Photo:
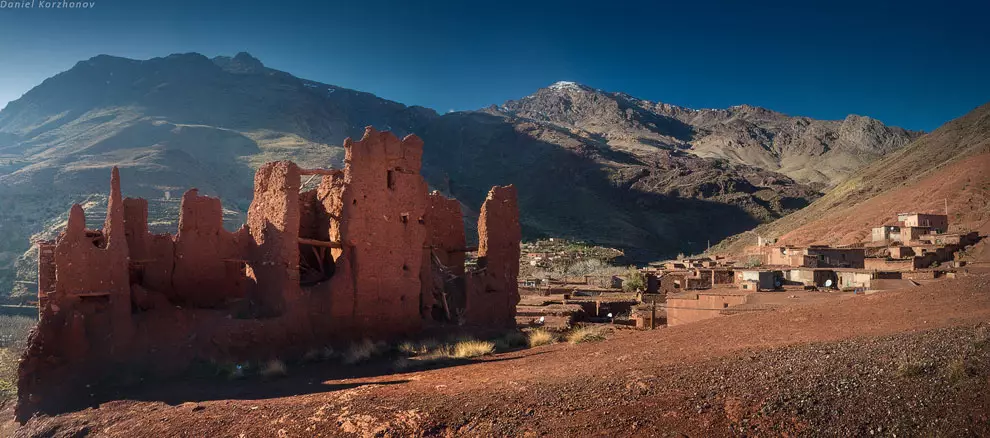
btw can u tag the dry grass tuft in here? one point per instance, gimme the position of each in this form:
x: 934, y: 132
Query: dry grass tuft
x: 363, y: 351
x: 417, y: 348
x: 540, y: 337
x: 589, y: 333
x: 511, y: 340
x: 469, y: 349
x: 911, y: 368
x: 959, y: 370
x: 318, y: 354
x: 274, y: 368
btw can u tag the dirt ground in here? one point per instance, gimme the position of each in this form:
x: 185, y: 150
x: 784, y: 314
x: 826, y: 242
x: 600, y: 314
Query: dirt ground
x: 909, y: 362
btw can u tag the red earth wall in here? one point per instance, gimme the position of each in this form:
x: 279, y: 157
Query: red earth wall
x: 122, y: 300
x: 493, y: 291
x: 442, y: 270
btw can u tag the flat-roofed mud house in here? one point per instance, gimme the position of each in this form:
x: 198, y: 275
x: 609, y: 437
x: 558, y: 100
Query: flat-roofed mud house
x: 937, y: 222
x: 756, y: 279
x: 686, y: 307
x: 815, y: 256
x: 368, y: 254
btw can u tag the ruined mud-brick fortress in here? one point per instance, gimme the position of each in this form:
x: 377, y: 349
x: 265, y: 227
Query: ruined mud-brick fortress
x: 368, y: 254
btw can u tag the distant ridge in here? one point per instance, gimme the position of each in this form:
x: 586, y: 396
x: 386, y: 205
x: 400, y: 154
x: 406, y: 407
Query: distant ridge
x: 947, y: 170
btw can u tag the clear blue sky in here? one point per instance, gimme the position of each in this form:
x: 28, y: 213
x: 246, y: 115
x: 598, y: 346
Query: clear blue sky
x: 912, y: 64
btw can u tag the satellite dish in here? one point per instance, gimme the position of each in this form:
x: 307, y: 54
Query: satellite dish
x: 609, y: 315
x: 542, y: 318
x: 828, y: 283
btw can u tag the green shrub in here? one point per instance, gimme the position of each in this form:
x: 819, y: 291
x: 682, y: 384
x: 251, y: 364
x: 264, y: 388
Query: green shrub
x: 634, y: 280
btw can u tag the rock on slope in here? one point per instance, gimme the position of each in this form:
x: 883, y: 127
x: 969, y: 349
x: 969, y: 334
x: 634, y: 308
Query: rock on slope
x: 947, y: 169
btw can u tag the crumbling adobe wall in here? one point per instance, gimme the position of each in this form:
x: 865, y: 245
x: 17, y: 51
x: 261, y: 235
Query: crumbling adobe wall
x: 208, y: 259
x: 46, y: 272
x: 152, y: 256
x: 377, y: 209
x: 88, y: 314
x: 273, y: 221
x: 93, y: 266
x: 493, y: 291
x: 442, y: 271
x: 123, y: 299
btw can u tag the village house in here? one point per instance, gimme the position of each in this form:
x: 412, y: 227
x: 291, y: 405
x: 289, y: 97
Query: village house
x: 812, y: 277
x: 759, y: 279
x: 689, y: 307
x: 937, y: 222
x: 815, y: 256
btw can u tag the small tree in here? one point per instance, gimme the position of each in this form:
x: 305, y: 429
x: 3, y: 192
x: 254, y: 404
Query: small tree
x: 633, y: 280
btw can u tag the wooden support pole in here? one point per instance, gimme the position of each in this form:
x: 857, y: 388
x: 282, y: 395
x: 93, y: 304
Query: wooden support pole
x: 322, y: 243
x: 319, y: 171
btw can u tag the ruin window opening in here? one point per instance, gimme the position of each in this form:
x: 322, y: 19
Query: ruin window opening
x: 404, y: 218
x: 316, y: 265
x: 390, y: 177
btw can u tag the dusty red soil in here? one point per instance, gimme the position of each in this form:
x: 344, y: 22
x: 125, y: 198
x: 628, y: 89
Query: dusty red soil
x: 910, y: 362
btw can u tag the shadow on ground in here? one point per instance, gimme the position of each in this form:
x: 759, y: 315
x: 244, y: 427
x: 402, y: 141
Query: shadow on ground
x: 301, y: 379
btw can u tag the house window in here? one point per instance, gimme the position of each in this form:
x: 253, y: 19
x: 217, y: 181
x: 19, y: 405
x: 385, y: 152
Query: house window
x: 390, y: 179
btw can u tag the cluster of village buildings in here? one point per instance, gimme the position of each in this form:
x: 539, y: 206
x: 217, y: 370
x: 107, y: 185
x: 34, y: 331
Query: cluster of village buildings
x: 912, y: 249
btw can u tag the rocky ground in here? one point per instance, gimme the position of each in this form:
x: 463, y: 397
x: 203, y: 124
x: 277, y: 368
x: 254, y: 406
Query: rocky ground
x: 911, y: 362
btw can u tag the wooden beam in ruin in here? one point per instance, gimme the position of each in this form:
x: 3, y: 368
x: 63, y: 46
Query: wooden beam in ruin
x: 322, y: 243
x: 319, y: 171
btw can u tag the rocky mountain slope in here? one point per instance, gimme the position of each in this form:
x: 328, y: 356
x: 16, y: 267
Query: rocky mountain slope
x: 575, y: 185
x: 650, y: 178
x: 820, y: 152
x: 948, y: 169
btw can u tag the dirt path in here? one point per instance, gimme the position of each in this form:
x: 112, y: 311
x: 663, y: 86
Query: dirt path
x: 908, y: 362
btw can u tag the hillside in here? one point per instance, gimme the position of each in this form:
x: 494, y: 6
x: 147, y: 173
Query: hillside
x: 649, y: 178
x: 947, y: 169
x: 574, y: 185
x: 819, y: 152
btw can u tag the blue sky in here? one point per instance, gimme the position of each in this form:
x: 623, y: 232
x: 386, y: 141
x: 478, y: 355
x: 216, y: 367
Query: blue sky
x: 911, y: 64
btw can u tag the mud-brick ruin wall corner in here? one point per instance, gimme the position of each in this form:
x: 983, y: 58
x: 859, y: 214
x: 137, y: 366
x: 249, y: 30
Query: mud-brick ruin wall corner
x: 273, y: 221
x: 93, y: 274
x: 442, y: 272
x: 493, y: 292
x: 377, y: 208
x: 208, y: 259
x: 151, y: 255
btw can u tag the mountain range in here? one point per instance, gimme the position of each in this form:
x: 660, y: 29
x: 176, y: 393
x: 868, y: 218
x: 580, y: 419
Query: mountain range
x: 945, y: 172
x: 651, y: 178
